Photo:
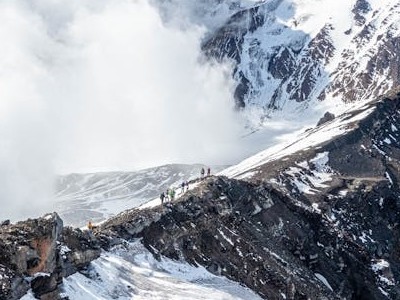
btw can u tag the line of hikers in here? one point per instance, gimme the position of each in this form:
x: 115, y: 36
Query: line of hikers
x: 202, y: 173
x: 169, y: 195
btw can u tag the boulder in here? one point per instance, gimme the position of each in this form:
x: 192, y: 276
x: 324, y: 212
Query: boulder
x: 326, y: 118
x: 78, y: 250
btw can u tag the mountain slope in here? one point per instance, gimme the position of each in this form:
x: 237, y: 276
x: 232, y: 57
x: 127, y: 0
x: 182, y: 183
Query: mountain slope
x: 315, y: 221
x: 321, y: 221
x: 289, y: 53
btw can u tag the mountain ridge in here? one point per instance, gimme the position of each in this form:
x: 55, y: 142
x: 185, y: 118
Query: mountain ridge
x: 311, y: 220
x: 289, y: 51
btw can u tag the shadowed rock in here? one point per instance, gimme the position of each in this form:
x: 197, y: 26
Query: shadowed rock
x: 36, y: 254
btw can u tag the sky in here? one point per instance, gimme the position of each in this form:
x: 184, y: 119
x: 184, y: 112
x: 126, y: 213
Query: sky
x: 99, y: 86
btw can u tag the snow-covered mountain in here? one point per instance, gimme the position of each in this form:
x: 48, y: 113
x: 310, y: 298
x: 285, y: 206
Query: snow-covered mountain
x: 290, y: 53
x: 313, y: 218
x: 98, y: 196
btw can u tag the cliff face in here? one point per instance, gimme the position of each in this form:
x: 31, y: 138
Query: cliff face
x: 36, y: 254
x: 287, y: 52
x: 319, y: 223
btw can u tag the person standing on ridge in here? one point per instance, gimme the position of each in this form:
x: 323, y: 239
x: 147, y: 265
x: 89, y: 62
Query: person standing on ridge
x: 202, y: 173
x: 171, y: 194
x: 183, y: 187
x: 167, y: 195
x: 208, y: 172
x: 162, y: 197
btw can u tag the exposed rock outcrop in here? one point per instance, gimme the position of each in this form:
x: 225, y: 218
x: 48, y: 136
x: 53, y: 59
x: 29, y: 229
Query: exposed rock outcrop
x: 36, y: 254
x: 326, y: 118
x: 78, y: 250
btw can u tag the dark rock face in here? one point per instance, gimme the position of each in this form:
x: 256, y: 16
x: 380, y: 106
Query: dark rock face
x: 32, y: 256
x: 326, y: 118
x: 359, y: 10
x: 12, y: 286
x: 5, y: 222
x: 298, y: 66
x: 80, y: 248
x: 227, y: 43
x: 30, y: 247
x: 275, y: 62
x: 339, y: 240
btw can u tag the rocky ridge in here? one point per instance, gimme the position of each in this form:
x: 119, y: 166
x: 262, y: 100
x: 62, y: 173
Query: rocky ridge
x: 97, y: 196
x: 322, y: 223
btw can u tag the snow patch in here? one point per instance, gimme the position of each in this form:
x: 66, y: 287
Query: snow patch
x: 323, y: 280
x: 132, y: 272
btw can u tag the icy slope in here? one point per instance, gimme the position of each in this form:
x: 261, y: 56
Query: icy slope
x: 131, y: 272
x: 97, y: 196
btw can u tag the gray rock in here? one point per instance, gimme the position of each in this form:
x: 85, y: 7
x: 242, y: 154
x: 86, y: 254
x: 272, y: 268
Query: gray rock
x: 80, y: 248
x: 326, y: 118
x: 5, y: 223
x: 31, y: 256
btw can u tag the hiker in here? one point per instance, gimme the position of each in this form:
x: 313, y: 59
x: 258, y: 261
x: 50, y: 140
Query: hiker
x: 208, y: 172
x: 162, y: 197
x: 202, y: 173
x: 183, y: 187
x: 167, y: 195
x: 91, y: 227
x: 187, y: 185
x: 171, y: 194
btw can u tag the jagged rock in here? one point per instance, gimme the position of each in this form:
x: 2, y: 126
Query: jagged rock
x: 326, y: 118
x: 45, y: 286
x: 12, y: 285
x: 361, y: 8
x: 78, y: 250
x: 30, y: 247
x: 276, y: 61
x: 5, y: 223
x: 36, y: 254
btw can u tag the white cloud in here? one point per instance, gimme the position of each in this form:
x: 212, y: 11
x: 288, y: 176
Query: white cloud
x: 102, y: 85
